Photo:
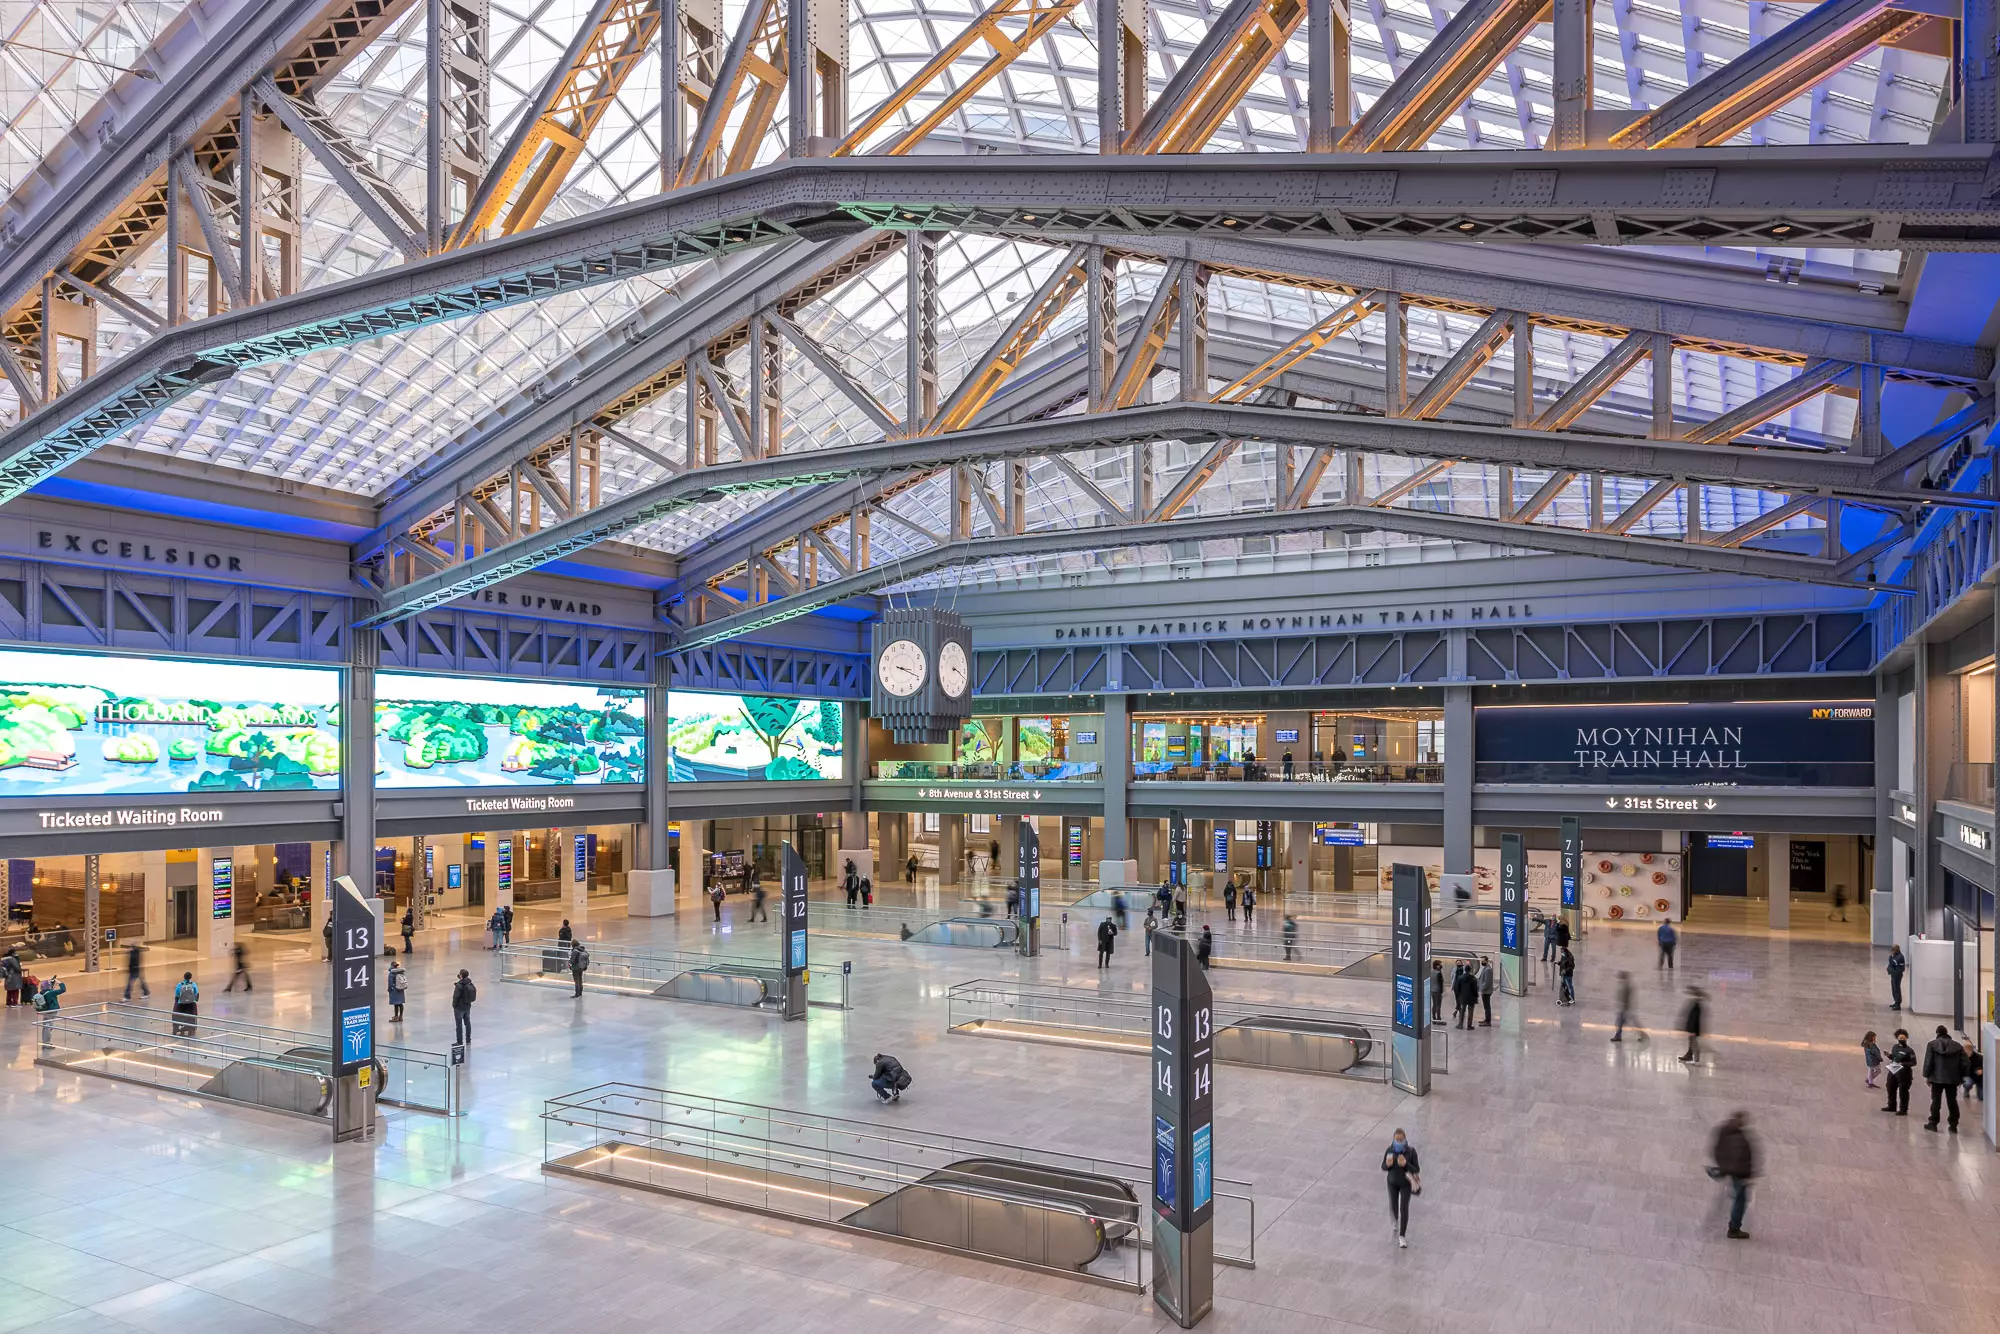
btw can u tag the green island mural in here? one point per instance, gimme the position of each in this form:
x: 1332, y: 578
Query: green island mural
x: 755, y: 737
x: 442, y: 731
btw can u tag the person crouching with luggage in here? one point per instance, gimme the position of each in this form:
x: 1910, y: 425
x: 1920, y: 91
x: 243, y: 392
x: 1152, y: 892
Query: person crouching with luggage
x: 889, y: 1079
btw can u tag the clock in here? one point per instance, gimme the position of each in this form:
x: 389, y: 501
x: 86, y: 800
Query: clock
x: 923, y: 675
x: 902, y: 668
x: 954, y: 672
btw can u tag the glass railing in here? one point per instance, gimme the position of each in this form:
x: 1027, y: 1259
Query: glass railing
x: 66, y: 940
x: 1088, y: 1016
x: 196, y: 1053
x: 1970, y: 783
x: 1061, y: 1213
x: 1015, y: 771
x: 1277, y: 771
x: 643, y: 972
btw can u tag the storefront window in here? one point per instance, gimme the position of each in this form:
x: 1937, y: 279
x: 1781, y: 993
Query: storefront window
x: 1348, y: 746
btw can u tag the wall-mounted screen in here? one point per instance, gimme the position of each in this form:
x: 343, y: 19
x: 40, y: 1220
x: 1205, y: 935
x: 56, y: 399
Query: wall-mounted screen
x: 462, y: 731
x: 79, y: 724
x: 757, y: 737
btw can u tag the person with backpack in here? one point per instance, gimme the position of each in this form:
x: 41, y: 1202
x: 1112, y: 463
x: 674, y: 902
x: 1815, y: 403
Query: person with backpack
x: 1249, y: 902
x: 565, y: 935
x: 579, y: 960
x: 49, y: 1000
x: 506, y: 924
x: 889, y: 1078
x: 240, y: 952
x: 409, y: 929
x: 1229, y: 901
x: 463, y: 993
x: 399, y: 986
x: 1668, y: 938
x: 496, y: 928
x: 10, y: 977
x: 187, y: 1003
x: 1107, y: 933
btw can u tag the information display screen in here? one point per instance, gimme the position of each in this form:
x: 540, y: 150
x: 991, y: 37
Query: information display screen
x: 460, y: 731
x: 222, y: 888
x: 79, y: 724
x: 752, y: 737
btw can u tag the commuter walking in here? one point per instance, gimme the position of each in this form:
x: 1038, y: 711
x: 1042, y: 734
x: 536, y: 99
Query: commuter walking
x: 1562, y: 935
x: 241, y: 954
x: 1668, y: 938
x: 1944, y: 1067
x: 910, y: 870
x: 1400, y: 1164
x: 1291, y: 936
x: 1107, y: 932
x: 1466, y: 991
x: 1486, y: 991
x: 1437, y: 992
x: 1229, y: 900
x: 1897, y: 966
x: 1249, y: 901
x: 1871, y: 1056
x: 565, y: 934
x: 757, y: 897
x: 463, y: 993
x: 1285, y: 761
x: 850, y: 883
x: 506, y: 924
x: 1839, y: 911
x: 1691, y: 1025
x: 888, y: 1078
x: 409, y: 929
x: 1902, y: 1067
x: 715, y: 900
x: 1152, y: 924
x: 1566, y: 971
x: 399, y: 987
x: 1735, y: 1162
x: 10, y: 977
x: 1119, y: 909
x: 579, y: 961
x: 326, y: 940
x: 1204, y: 949
x: 133, y: 975
x: 1626, y: 1014
x: 1548, y: 939
x: 187, y: 1003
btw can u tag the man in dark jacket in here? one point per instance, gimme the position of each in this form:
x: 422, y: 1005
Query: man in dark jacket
x: 1691, y: 1022
x: 889, y: 1078
x: 1944, y: 1069
x: 1437, y: 992
x: 1465, y: 990
x: 463, y: 993
x: 1896, y: 968
x: 1902, y: 1073
x: 1736, y: 1161
x: 1107, y: 932
x: 579, y: 960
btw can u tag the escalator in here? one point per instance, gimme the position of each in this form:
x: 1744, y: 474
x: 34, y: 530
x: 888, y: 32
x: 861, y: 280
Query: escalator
x: 974, y: 932
x: 1326, y: 1047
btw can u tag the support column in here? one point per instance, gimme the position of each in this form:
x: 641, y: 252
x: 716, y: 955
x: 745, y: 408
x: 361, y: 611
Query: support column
x: 1778, y: 872
x: 892, y: 845
x: 1299, y: 857
x: 951, y: 849
x: 1330, y: 94
x: 1146, y: 851
x: 499, y: 895
x: 1883, y: 926
x: 1937, y: 727
x: 1574, y: 82
x: 1007, y: 828
x: 1458, y: 770
x: 694, y: 850
x: 322, y: 857
x: 575, y: 875
x: 649, y: 883
x: 1116, y: 736
x: 1121, y: 69
x: 355, y: 856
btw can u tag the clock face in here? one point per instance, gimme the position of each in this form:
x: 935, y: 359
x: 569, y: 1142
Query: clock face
x: 901, y: 668
x: 953, y: 670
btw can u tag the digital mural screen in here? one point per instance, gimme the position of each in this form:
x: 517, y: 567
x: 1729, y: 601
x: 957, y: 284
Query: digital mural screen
x: 83, y: 724
x: 753, y: 737
x: 462, y: 731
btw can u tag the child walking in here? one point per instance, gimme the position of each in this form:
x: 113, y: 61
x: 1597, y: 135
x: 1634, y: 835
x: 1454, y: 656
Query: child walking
x: 1872, y: 1054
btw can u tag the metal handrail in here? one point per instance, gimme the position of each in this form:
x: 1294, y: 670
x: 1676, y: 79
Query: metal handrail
x: 839, y: 1152
x: 1088, y: 1009
x: 646, y: 969
x: 225, y: 1040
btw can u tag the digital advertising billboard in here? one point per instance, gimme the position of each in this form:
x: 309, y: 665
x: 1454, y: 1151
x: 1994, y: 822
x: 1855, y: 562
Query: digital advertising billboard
x: 752, y: 737
x: 78, y: 724
x: 461, y: 731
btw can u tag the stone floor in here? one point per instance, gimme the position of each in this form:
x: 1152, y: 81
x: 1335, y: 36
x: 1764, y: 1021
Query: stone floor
x: 1564, y: 1186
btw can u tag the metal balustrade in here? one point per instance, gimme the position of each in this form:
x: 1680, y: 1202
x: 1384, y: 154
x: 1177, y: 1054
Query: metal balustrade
x: 1081, y: 1217
x: 1247, y: 1032
x: 274, y: 1068
x: 646, y: 972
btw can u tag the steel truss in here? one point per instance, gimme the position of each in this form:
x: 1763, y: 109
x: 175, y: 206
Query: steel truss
x: 485, y: 643
x: 78, y: 607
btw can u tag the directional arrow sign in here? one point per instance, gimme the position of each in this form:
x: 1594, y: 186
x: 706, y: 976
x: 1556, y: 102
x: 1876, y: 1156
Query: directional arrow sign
x: 1611, y: 803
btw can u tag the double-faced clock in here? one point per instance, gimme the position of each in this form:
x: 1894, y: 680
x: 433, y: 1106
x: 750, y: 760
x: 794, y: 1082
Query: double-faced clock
x: 923, y: 674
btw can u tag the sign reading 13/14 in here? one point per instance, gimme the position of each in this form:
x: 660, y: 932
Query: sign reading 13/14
x: 354, y: 950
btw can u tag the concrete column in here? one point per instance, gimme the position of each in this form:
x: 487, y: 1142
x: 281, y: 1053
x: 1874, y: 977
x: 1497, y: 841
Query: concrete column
x: 1299, y: 857
x: 1007, y: 828
x: 1885, y: 783
x: 1937, y: 726
x: 321, y: 852
x: 1458, y: 773
x: 694, y: 850
x: 854, y: 845
x: 356, y: 855
x: 159, y: 899
x: 650, y: 844
x: 213, y: 935
x: 1778, y: 870
x: 1146, y: 851
x: 892, y: 845
x: 1116, y: 737
x: 951, y: 849
x: 576, y: 882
